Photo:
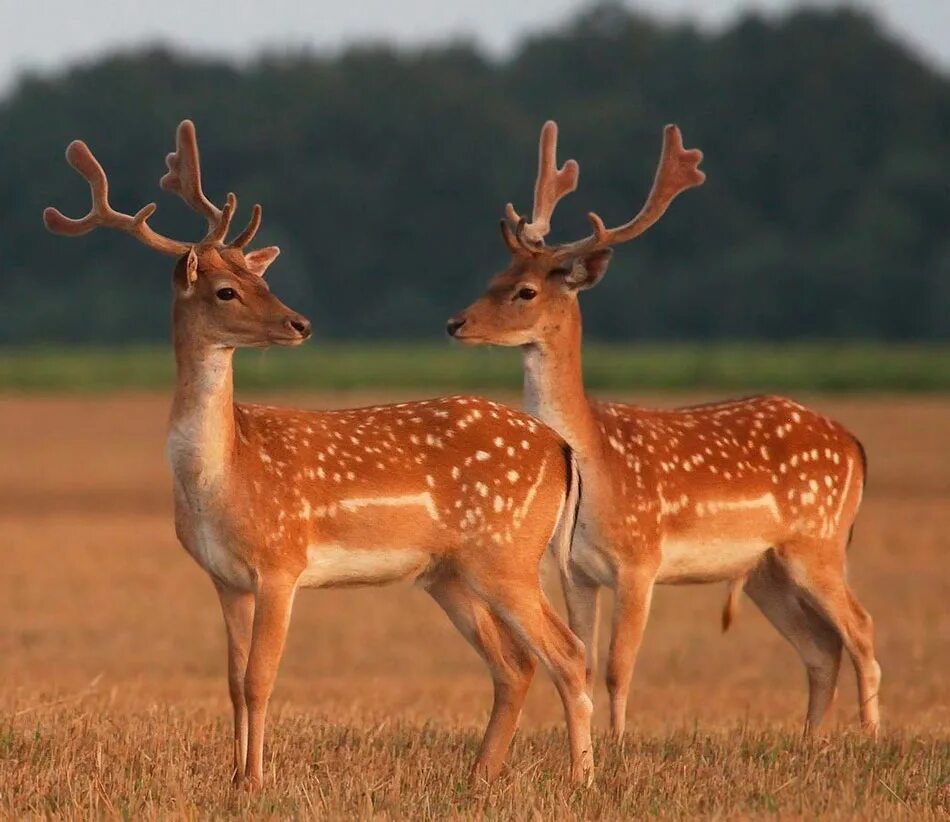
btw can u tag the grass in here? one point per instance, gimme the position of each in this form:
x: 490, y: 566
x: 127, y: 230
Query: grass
x: 432, y: 367
x: 146, y: 762
x: 113, y: 699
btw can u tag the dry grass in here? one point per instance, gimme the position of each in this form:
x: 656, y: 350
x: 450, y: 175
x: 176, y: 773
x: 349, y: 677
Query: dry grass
x: 113, y: 701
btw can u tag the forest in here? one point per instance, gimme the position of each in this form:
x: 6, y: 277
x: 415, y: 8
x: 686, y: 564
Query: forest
x: 383, y: 173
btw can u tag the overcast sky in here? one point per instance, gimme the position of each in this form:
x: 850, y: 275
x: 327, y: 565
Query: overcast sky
x: 48, y: 34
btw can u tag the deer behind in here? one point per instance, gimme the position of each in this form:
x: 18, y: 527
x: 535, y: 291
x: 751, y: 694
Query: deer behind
x: 760, y: 492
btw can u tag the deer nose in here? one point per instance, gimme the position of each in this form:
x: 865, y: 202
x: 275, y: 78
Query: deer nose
x: 299, y: 324
x: 453, y: 325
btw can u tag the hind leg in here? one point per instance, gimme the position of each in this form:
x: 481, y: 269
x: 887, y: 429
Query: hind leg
x: 816, y: 641
x: 866, y: 665
x: 817, y: 567
x: 521, y: 604
x: 512, y: 667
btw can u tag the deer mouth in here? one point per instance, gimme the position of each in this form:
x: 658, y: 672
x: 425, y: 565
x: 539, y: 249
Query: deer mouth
x: 473, y: 341
x: 288, y: 341
x: 469, y: 339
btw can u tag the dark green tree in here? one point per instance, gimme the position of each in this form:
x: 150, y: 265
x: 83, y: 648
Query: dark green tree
x: 383, y: 174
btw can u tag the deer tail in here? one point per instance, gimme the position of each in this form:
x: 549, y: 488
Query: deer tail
x: 731, y: 608
x: 564, y: 533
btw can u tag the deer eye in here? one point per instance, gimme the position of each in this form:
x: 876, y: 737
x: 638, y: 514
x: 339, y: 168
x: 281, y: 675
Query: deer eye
x: 527, y: 293
x: 226, y: 293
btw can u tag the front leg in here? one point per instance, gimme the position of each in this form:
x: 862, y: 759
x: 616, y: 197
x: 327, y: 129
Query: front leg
x: 633, y: 595
x: 272, y: 607
x: 238, y: 610
x: 582, y: 596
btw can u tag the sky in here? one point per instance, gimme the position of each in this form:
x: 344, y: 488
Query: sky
x: 47, y: 35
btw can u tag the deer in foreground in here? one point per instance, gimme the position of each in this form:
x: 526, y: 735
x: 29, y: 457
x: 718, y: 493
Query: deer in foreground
x: 458, y: 494
x: 761, y: 491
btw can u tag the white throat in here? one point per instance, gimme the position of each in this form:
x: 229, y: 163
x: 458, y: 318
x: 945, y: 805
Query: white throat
x: 199, y: 436
x: 533, y: 390
x: 554, y: 393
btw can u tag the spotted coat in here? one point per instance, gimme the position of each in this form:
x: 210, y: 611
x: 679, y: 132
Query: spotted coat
x: 763, y: 468
x: 374, y: 494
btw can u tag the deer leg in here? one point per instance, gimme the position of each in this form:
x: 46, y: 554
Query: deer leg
x: 238, y: 610
x: 524, y: 608
x: 582, y: 596
x: 860, y: 643
x: 824, y: 586
x: 634, y: 593
x: 813, y: 637
x: 273, y: 605
x: 512, y: 667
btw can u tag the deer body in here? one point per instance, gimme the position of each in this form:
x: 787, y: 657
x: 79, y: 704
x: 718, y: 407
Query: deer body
x: 706, y: 489
x: 760, y: 492
x: 458, y: 494
x: 361, y: 496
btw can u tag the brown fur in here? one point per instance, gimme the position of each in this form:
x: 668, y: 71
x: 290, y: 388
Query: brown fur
x: 699, y: 494
x: 458, y: 494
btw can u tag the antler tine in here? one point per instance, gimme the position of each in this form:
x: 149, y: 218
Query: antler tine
x: 551, y: 185
x: 678, y: 170
x: 245, y: 237
x: 184, y: 175
x: 219, y: 230
x: 102, y: 214
x: 509, y: 238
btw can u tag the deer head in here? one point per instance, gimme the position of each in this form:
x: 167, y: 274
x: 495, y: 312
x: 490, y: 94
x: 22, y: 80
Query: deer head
x: 221, y: 298
x: 537, y: 292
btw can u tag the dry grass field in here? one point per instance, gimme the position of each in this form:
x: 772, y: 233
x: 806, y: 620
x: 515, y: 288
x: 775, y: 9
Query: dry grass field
x: 113, y: 699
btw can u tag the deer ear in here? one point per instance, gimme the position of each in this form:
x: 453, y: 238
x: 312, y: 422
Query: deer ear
x: 259, y: 260
x: 186, y: 270
x: 587, y: 271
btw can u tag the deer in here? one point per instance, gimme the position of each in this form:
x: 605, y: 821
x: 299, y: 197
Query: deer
x: 759, y: 492
x: 458, y: 495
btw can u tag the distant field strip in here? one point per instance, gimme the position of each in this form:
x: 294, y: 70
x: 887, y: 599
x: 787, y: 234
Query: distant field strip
x: 398, y: 365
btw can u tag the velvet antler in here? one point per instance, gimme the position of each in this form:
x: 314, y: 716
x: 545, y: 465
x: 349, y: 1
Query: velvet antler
x: 678, y: 170
x: 551, y: 185
x: 102, y: 214
x: 184, y: 179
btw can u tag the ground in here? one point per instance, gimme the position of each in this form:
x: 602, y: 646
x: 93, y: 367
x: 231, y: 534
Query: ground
x: 113, y: 698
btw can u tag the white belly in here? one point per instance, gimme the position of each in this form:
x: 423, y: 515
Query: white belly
x: 708, y: 560
x: 330, y: 564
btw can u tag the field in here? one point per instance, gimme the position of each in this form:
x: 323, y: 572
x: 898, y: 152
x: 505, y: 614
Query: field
x: 322, y: 366
x: 113, y: 699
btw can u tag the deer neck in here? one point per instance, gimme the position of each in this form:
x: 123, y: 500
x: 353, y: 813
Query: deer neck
x: 554, y: 386
x: 201, y: 438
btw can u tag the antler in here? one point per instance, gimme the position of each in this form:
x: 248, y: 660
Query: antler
x: 678, y: 170
x: 184, y: 179
x: 102, y: 214
x: 552, y: 184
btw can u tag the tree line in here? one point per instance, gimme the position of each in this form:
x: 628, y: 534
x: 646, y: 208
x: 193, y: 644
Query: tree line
x: 383, y: 173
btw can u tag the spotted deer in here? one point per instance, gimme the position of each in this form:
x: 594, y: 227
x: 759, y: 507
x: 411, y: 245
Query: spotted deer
x: 458, y: 494
x: 760, y: 491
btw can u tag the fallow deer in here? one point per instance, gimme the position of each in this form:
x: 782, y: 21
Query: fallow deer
x: 758, y: 491
x: 459, y: 494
